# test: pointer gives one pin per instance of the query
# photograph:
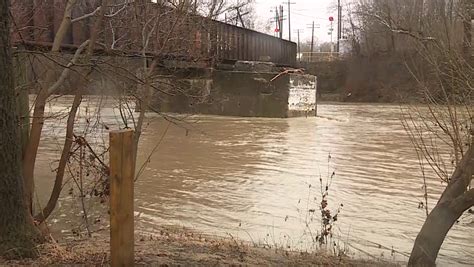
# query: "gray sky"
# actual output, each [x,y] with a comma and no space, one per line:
[303,12]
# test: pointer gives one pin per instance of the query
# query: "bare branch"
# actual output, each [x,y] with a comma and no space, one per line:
[53,88]
[86,15]
[93,13]
[118,11]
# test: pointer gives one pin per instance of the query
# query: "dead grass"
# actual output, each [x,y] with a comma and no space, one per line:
[177,246]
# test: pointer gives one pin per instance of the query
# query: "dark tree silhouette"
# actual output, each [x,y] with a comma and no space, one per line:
[17,231]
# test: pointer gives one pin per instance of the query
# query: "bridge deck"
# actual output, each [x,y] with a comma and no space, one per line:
[177,33]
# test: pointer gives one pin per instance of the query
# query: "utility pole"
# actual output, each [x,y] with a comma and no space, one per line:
[312,27]
[312,37]
[339,23]
[281,22]
[277,21]
[331,29]
[279,18]
[289,3]
[312,42]
[299,45]
[240,17]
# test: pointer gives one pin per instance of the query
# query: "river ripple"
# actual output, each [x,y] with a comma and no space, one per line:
[251,177]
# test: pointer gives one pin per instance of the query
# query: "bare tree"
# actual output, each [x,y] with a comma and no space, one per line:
[443,133]
[17,231]
[437,37]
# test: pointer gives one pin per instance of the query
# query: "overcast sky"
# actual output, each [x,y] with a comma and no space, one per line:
[303,12]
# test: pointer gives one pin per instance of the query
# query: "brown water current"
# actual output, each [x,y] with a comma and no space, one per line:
[256,179]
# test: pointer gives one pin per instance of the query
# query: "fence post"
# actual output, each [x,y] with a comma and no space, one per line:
[122,171]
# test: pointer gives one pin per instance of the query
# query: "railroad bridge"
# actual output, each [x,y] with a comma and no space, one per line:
[233,66]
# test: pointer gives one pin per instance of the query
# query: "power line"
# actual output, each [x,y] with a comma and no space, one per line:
[308,16]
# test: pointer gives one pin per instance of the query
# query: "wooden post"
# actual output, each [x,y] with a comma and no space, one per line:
[122,172]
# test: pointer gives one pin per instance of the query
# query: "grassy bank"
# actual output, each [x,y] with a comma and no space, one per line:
[177,246]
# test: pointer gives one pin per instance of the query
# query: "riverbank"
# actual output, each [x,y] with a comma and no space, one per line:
[177,246]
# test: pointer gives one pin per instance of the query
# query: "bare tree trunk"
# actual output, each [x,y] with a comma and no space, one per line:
[64,26]
[144,101]
[432,234]
[17,231]
[392,34]
[455,200]
[58,182]
[31,150]
[21,90]
[467,16]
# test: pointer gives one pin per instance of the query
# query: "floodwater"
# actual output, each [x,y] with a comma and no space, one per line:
[257,178]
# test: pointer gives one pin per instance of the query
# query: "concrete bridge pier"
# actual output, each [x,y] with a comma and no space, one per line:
[243,88]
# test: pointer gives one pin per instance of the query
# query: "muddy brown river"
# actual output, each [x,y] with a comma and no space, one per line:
[257,178]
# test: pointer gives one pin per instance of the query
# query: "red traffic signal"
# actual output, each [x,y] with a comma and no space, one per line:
[331,18]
